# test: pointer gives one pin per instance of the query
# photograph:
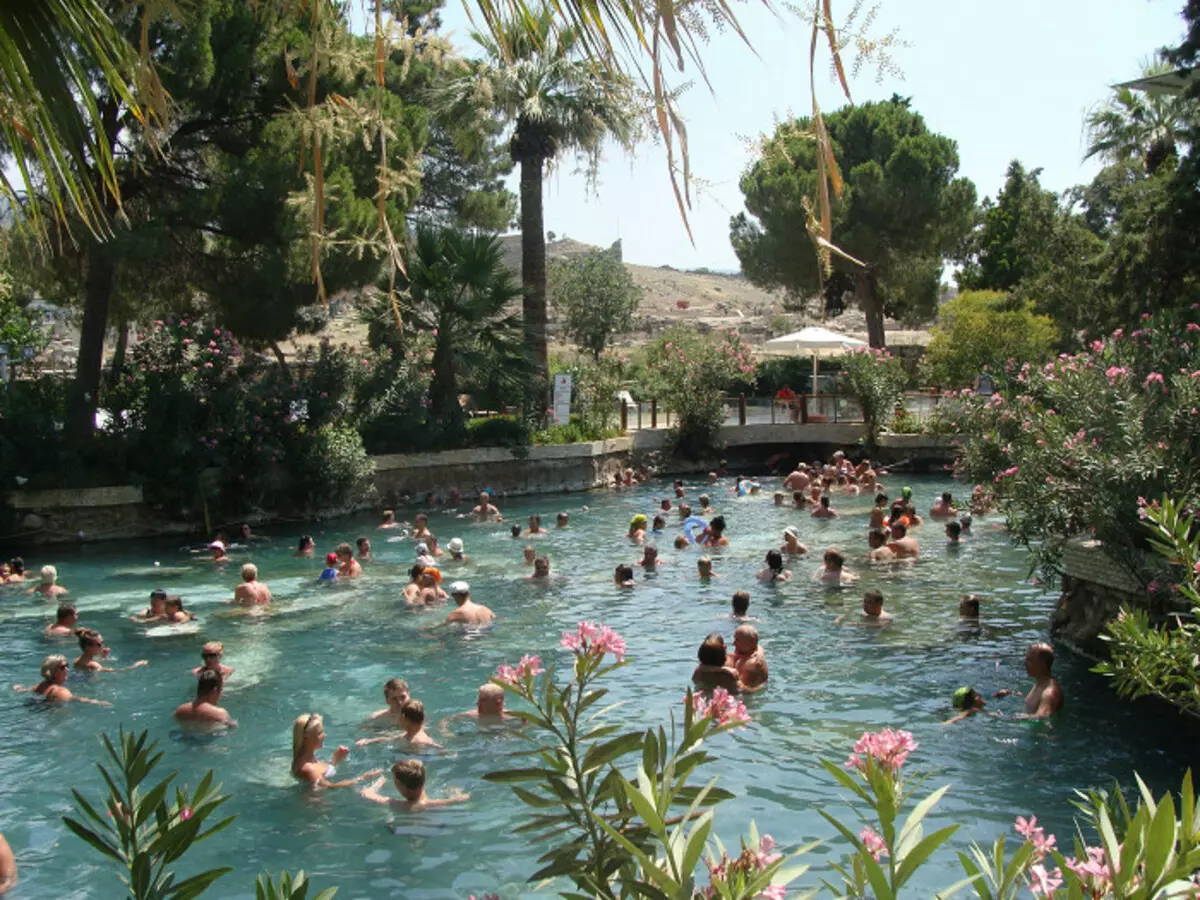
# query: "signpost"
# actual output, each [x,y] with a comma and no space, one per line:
[562,399]
[985,385]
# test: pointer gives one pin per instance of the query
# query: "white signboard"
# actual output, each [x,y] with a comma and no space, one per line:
[562,399]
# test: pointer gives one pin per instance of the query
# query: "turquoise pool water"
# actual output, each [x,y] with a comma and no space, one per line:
[330,651]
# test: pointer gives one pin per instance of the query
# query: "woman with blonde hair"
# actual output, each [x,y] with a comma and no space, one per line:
[308,736]
[52,687]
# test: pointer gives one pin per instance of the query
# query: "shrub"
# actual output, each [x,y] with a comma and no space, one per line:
[691,372]
[497,431]
[876,380]
[597,297]
[978,331]
[595,383]
[1071,446]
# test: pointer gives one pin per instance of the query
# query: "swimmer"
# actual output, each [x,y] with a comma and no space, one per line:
[715,536]
[489,707]
[174,613]
[685,511]
[872,612]
[824,510]
[705,505]
[64,622]
[901,544]
[8,866]
[741,607]
[798,480]
[204,711]
[52,687]
[530,554]
[679,492]
[157,611]
[968,607]
[306,547]
[49,586]
[650,561]
[704,569]
[954,533]
[420,527]
[780,498]
[681,543]
[246,536]
[412,720]
[429,591]
[878,518]
[91,645]
[485,510]
[251,592]
[395,695]
[748,659]
[561,520]
[877,540]
[833,571]
[659,525]
[216,552]
[943,508]
[799,501]
[329,574]
[665,506]
[467,611]
[541,569]
[211,654]
[1045,698]
[388,520]
[623,576]
[968,701]
[457,550]
[712,477]
[16,570]
[774,571]
[409,778]
[637,528]
[535,526]
[965,522]
[431,546]
[308,736]
[791,542]
[515,532]
[364,549]
[714,670]
[348,566]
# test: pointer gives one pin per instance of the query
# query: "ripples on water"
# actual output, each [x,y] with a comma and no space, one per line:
[329,651]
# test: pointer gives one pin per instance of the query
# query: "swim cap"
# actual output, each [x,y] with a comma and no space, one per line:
[455,545]
[422,549]
[792,531]
[331,559]
[638,521]
[460,587]
[906,492]
[959,699]
[216,545]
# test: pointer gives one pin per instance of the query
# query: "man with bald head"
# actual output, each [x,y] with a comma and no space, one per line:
[749,659]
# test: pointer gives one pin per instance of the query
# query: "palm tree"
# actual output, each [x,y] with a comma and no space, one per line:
[1139,126]
[538,79]
[459,289]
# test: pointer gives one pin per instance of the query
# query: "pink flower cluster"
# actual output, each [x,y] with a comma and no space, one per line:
[723,708]
[1155,378]
[591,639]
[889,749]
[1043,882]
[529,665]
[1031,831]
[1093,871]
[873,842]
[751,861]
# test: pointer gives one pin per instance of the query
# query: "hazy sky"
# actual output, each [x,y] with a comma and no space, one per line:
[1004,78]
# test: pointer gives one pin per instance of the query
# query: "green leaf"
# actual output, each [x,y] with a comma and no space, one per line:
[1160,841]
[920,811]
[602,754]
[94,839]
[921,852]
[196,885]
[509,776]
[697,840]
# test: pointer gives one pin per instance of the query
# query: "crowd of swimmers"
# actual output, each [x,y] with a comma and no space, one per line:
[740,666]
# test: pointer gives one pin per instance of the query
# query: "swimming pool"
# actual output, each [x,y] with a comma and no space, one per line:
[330,651]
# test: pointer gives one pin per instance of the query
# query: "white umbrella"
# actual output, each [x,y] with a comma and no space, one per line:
[813,340]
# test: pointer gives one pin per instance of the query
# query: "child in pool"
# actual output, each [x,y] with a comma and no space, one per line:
[174,613]
[409,778]
[329,574]
[968,702]
[412,719]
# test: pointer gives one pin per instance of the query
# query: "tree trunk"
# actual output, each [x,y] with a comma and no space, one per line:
[868,302]
[281,359]
[533,279]
[97,293]
[118,360]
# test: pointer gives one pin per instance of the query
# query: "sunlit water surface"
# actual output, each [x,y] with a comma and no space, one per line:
[329,651]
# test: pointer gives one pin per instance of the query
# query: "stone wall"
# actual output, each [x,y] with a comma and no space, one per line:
[86,515]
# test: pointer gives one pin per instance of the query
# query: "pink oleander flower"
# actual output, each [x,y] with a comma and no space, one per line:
[484,897]
[1033,832]
[888,748]
[595,640]
[764,857]
[1043,883]
[1155,378]
[723,709]
[185,814]
[773,892]
[874,843]
[1093,870]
